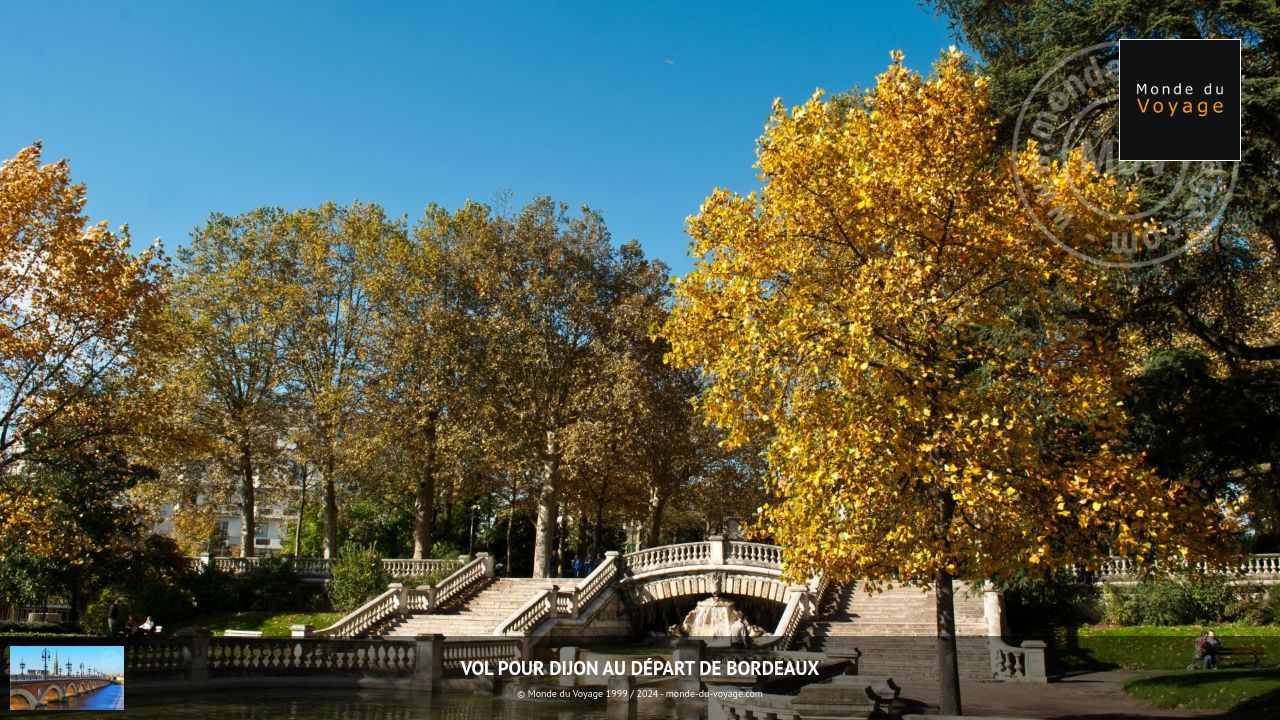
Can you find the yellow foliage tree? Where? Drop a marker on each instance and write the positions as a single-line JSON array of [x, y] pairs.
[[81, 334], [883, 317]]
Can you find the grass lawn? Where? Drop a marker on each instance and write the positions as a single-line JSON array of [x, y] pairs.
[[1253, 692], [272, 624], [1147, 647]]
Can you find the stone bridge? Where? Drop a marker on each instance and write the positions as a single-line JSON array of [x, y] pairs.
[[35, 692], [714, 566], [472, 603]]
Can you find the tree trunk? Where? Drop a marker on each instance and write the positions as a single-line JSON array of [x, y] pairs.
[[302, 508], [248, 518], [948, 660], [75, 595], [657, 506], [548, 508], [424, 511], [595, 528], [330, 512], [423, 514], [511, 519]]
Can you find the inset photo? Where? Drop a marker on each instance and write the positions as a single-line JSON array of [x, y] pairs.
[[66, 677]]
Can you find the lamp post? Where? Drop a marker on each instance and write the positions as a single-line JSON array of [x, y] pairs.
[[82, 668], [471, 543], [45, 657], [68, 667], [22, 668]]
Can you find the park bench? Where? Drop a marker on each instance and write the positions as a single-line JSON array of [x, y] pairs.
[[242, 633], [1251, 651]]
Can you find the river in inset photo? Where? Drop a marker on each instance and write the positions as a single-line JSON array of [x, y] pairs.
[[110, 697]]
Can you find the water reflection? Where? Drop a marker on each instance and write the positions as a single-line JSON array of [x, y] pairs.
[[385, 705], [110, 697]]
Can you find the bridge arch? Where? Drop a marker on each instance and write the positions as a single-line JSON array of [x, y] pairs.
[[52, 694], [20, 699]]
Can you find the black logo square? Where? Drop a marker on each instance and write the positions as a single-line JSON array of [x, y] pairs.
[[1180, 100]]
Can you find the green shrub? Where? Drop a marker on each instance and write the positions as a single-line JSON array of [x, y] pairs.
[[1060, 599], [271, 585], [215, 590], [445, 551], [1120, 605], [34, 628], [357, 577], [1171, 601]]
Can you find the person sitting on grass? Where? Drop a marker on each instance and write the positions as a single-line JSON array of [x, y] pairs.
[[130, 627], [148, 626]]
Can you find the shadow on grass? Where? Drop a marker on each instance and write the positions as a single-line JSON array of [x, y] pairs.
[[1244, 693], [1260, 707], [1193, 679]]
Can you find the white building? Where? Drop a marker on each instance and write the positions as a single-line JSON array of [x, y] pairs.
[[268, 540]]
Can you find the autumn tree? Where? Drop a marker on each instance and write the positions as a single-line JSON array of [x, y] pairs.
[[918, 363], [236, 301], [427, 393], [82, 332], [326, 342], [548, 287], [1208, 322]]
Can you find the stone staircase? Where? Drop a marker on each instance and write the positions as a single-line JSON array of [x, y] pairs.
[[896, 631], [477, 615]]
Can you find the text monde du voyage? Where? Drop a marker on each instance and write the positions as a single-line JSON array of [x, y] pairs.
[[642, 667], [1179, 99]]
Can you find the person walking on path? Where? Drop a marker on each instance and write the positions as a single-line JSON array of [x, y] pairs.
[[113, 616]]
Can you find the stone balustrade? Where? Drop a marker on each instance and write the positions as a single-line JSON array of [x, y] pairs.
[[492, 650], [368, 616], [461, 581], [694, 553], [1260, 568], [288, 656], [540, 607], [193, 658], [1025, 663], [398, 600], [309, 568], [713, 551]]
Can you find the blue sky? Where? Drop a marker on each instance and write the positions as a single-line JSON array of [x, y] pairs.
[[170, 110], [107, 659]]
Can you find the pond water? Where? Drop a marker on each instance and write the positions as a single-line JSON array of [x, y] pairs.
[[386, 705]]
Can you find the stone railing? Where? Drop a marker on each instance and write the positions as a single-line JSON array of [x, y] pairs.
[[694, 553], [399, 600], [191, 659], [494, 650], [287, 656], [758, 554], [572, 603], [1019, 664], [714, 551], [1261, 568], [144, 657], [462, 581], [310, 568], [408, 568], [531, 614], [370, 615], [801, 606]]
